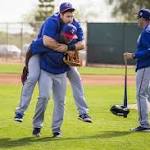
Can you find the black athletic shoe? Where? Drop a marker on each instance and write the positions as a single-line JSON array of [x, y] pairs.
[[141, 129], [57, 135], [36, 132], [85, 118], [18, 117]]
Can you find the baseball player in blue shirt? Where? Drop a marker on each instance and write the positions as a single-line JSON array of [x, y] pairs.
[[142, 56], [48, 31], [52, 78]]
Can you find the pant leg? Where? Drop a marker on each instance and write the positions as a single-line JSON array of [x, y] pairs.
[[45, 90], [28, 87], [78, 92], [59, 92], [142, 94]]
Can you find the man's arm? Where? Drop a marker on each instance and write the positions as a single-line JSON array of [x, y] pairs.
[[80, 45], [53, 44], [141, 53]]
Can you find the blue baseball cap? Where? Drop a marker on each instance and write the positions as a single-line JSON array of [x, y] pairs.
[[69, 31], [66, 6], [144, 13]]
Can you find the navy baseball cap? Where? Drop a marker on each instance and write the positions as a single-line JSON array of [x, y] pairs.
[[144, 13], [69, 31], [66, 6]]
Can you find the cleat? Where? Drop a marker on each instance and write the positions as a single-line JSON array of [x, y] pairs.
[[18, 117], [57, 135], [36, 132], [142, 129], [85, 118]]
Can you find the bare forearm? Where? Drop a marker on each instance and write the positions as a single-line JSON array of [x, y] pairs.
[[80, 45], [53, 44], [50, 43]]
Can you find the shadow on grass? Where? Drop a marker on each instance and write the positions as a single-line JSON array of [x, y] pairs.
[[8, 142]]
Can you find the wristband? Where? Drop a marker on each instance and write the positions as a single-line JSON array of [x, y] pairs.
[[71, 47]]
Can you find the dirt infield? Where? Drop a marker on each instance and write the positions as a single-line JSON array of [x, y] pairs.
[[106, 80], [9, 79], [87, 79]]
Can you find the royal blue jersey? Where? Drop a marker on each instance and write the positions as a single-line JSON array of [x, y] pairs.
[[142, 53], [51, 60]]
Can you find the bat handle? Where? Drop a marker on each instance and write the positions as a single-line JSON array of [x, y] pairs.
[[125, 83]]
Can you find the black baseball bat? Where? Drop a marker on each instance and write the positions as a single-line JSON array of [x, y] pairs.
[[125, 101], [122, 110]]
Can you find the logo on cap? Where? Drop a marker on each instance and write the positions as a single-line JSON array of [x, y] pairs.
[[72, 31], [144, 13], [66, 6], [140, 14]]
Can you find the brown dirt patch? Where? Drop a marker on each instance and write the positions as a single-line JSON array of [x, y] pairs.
[[106, 80], [87, 79], [10, 79]]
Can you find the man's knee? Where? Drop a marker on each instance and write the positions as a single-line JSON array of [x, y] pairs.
[[43, 100], [33, 78]]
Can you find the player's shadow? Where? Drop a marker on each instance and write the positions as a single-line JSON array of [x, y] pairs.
[[101, 135], [8, 142]]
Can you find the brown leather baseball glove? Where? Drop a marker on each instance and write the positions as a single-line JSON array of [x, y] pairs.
[[71, 58]]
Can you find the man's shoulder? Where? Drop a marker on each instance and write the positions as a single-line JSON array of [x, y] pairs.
[[147, 29], [54, 18], [76, 23]]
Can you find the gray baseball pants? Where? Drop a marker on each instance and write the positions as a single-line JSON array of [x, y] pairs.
[[48, 84], [28, 87], [143, 95], [33, 76]]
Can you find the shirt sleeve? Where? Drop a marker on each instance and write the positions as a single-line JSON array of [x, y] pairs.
[[145, 51], [50, 28], [80, 32], [37, 47]]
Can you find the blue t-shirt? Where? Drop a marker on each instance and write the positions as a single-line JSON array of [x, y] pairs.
[[51, 60], [142, 53]]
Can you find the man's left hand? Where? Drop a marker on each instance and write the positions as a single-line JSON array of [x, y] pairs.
[[127, 55]]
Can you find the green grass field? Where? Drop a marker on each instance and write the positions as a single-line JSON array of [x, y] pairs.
[[17, 68], [107, 132]]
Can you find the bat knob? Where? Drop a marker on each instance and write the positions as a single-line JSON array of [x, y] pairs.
[[125, 116]]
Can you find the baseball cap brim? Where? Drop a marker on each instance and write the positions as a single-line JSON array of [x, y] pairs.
[[70, 36], [72, 9]]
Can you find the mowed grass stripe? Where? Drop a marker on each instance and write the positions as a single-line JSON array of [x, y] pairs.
[[107, 132], [17, 69]]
